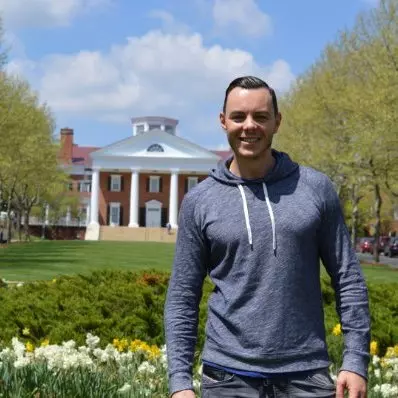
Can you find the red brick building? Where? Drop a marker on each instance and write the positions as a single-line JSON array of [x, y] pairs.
[[139, 181]]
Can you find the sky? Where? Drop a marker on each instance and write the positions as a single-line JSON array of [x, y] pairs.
[[98, 63]]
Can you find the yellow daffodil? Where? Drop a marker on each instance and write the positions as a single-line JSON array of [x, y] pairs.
[[154, 352], [337, 330], [390, 352], [29, 347], [120, 345], [374, 349]]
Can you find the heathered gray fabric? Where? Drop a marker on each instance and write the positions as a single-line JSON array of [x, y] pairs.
[[265, 313]]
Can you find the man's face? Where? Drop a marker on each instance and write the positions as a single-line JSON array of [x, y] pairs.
[[250, 122]]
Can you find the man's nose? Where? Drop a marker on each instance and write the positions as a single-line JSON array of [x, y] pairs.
[[249, 124]]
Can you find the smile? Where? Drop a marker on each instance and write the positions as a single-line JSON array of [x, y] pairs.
[[250, 140]]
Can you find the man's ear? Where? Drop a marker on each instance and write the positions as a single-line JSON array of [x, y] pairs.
[[278, 122], [222, 120]]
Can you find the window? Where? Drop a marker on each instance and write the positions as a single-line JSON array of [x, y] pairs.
[[155, 148], [70, 186], [154, 127], [116, 183], [84, 186], [154, 184], [169, 129], [192, 181], [139, 129]]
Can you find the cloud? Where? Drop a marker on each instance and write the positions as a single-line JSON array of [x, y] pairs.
[[244, 16], [168, 22], [175, 75], [45, 13]]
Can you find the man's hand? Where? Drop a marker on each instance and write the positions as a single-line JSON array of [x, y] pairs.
[[184, 394], [353, 383]]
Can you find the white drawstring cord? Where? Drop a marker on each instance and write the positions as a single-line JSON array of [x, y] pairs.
[[246, 212], [247, 220], [271, 214]]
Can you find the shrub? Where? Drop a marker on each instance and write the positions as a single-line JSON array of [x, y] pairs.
[[114, 304]]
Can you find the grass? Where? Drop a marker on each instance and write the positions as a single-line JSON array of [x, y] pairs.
[[46, 260]]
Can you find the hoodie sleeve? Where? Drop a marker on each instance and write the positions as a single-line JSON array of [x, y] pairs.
[[183, 297], [342, 264]]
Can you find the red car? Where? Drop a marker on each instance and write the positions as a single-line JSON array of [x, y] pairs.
[[366, 245]]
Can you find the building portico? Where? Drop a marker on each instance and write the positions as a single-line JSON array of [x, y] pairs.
[[141, 181]]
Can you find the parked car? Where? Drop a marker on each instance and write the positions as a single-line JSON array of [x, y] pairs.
[[383, 241], [366, 245], [391, 248]]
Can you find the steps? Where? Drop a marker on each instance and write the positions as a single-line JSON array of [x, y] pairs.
[[136, 234]]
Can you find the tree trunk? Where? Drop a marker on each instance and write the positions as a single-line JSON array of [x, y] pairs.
[[355, 198], [378, 203], [26, 225], [18, 225], [9, 225]]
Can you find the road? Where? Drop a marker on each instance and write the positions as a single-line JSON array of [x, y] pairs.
[[368, 258]]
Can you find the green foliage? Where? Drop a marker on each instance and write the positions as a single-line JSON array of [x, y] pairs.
[[130, 305]]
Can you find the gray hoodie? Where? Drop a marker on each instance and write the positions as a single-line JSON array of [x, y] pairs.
[[260, 242]]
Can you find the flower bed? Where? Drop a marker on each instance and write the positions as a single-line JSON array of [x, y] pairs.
[[125, 368]]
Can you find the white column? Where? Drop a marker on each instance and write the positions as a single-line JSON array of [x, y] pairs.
[[68, 216], [88, 214], [47, 215], [134, 198], [173, 202], [94, 196]]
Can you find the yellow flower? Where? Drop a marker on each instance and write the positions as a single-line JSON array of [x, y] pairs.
[[120, 345], [29, 347], [136, 345], [337, 330], [45, 343], [374, 348], [390, 352], [154, 352], [54, 280], [26, 331]]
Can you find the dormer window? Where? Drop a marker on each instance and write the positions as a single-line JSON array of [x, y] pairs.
[[155, 148], [169, 129], [154, 127], [139, 128]]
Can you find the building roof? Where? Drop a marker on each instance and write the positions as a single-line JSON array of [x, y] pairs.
[[81, 154]]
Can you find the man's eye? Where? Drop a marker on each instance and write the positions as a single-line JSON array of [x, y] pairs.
[[238, 118]]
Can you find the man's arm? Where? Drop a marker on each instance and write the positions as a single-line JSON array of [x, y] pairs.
[[352, 305], [183, 297]]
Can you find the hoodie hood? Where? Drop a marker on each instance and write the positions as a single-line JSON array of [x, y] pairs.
[[283, 167]]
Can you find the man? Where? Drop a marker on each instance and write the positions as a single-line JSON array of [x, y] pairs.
[[259, 227]]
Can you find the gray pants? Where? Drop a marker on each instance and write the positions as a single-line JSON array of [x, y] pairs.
[[312, 384]]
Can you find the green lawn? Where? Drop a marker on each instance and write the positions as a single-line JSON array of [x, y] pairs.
[[49, 259]]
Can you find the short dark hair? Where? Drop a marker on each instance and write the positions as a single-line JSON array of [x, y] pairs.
[[251, 82]]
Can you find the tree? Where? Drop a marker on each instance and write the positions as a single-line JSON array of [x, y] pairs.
[[342, 115]]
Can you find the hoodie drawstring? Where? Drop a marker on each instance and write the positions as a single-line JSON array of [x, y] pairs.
[[271, 214], [246, 212], [247, 220]]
